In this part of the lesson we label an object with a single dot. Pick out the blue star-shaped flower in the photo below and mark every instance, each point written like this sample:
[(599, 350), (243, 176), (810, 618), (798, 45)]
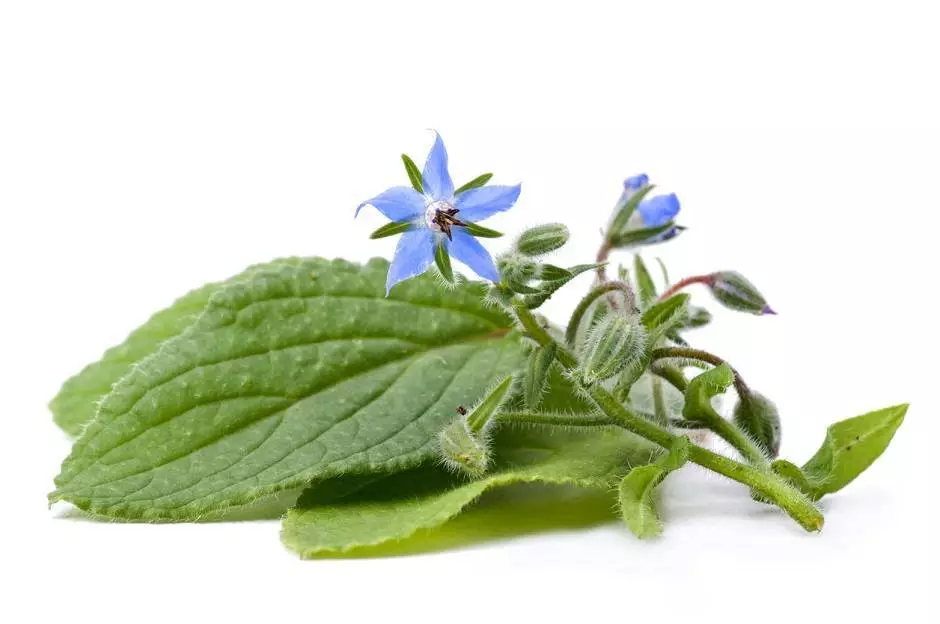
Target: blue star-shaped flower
[(439, 216), (651, 211)]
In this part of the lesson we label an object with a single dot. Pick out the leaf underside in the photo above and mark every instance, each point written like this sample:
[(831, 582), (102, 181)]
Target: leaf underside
[(407, 512), (301, 371)]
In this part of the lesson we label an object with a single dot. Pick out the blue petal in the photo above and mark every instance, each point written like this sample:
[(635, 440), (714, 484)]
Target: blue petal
[(479, 203), (415, 252), (398, 203), (658, 210), (469, 251), (436, 176), (636, 182)]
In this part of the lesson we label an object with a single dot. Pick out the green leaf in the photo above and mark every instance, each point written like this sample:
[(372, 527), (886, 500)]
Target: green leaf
[(633, 237), (637, 506), (391, 229), (547, 288), (414, 174), (410, 506), (665, 272), (76, 403), (537, 369), (702, 389), (476, 182), (479, 231), (619, 222), (850, 447), (442, 260), (302, 371), (645, 286), (667, 314)]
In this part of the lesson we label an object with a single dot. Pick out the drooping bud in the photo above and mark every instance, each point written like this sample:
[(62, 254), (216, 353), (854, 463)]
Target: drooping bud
[(464, 444), (542, 239), (757, 416), (732, 290), (615, 342)]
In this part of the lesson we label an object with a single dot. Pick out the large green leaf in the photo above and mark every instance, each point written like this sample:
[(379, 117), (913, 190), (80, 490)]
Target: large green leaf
[(412, 505), (302, 371), (75, 404), (637, 506)]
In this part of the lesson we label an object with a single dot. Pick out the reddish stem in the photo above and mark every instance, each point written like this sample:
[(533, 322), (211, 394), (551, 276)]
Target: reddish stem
[(695, 279)]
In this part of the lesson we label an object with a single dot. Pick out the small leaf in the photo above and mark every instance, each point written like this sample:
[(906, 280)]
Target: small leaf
[(476, 182), (645, 286), (620, 220), (631, 237), (792, 473), (442, 260), (550, 272), (481, 232), (414, 174), (540, 362), (636, 490), (548, 288), (850, 447), (702, 389), (301, 371), (391, 229), (402, 513), (667, 314)]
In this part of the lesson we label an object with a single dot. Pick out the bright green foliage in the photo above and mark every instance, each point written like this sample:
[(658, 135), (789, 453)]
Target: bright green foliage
[(646, 287), (75, 404), (476, 182), (537, 368), (757, 416), (442, 260), (303, 371), (392, 228), (702, 389), (417, 501), (636, 490), (850, 447)]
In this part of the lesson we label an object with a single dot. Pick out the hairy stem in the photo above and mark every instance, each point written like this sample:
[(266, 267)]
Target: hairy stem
[(572, 331), (764, 482), (695, 279), (689, 353), (556, 420)]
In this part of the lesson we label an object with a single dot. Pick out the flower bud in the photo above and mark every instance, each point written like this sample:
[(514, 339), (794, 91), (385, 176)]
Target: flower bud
[(516, 271), (462, 451), (733, 291), (542, 239), (698, 317), (615, 342), (757, 416)]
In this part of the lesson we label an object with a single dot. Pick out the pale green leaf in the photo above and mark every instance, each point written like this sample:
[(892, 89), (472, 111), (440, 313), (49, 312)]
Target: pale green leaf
[(850, 447), (636, 490), (303, 371), (411, 505)]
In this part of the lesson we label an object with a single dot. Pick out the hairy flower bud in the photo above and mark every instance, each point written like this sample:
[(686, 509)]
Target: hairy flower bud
[(757, 416), (463, 451), (516, 271), (464, 444), (698, 317), (615, 342), (542, 239), (733, 290)]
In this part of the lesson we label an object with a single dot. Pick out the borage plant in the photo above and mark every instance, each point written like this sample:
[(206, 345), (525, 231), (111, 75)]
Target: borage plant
[(390, 396)]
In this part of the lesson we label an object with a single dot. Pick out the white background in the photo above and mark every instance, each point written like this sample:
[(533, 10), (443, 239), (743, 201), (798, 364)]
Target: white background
[(146, 148)]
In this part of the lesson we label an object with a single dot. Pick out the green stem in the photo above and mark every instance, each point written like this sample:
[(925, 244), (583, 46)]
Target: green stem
[(659, 401), (702, 356), (554, 419), (671, 374), (764, 482), (582, 307)]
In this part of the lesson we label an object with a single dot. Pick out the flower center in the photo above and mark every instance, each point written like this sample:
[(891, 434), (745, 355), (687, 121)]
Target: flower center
[(441, 216)]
